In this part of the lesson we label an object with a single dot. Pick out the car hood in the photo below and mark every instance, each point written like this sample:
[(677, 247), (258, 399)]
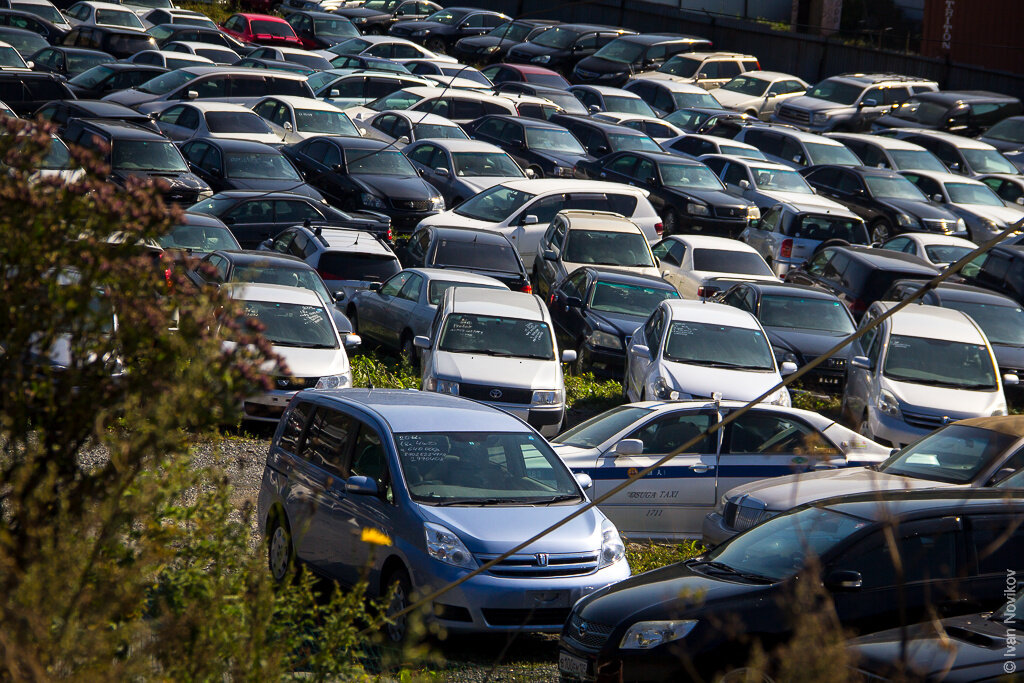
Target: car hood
[(625, 325), (924, 397), (130, 97), (353, 12), (801, 199), (731, 98), (454, 220), (534, 50), (485, 41), (652, 271), (602, 66), (313, 362), (521, 373), (420, 25), (1009, 356), (921, 209), (478, 184), (576, 457), (890, 121), (719, 198), (273, 185), (806, 344), (808, 103), (499, 528), (394, 187), (790, 490), (1003, 214), (561, 158), (735, 385), (174, 181)]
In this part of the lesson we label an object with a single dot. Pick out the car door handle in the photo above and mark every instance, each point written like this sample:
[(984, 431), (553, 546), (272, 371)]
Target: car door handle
[(701, 468)]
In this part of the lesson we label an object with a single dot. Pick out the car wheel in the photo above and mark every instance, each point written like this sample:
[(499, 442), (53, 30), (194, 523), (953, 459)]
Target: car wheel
[(408, 349), (670, 222), (280, 551), (353, 317), (435, 45), (578, 367), (537, 172), (397, 588), (834, 242), (881, 230), (751, 112)]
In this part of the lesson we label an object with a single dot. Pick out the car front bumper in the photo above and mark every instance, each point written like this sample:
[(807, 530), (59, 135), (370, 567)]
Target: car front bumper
[(268, 406), (546, 420), (894, 430), (715, 531)]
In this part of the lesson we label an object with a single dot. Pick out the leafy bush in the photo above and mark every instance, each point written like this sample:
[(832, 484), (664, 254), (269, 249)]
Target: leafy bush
[(643, 557), (587, 390)]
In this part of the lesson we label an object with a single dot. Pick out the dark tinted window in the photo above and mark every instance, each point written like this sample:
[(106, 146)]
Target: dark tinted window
[(470, 255), (293, 427), (328, 439), (340, 265), (997, 543)]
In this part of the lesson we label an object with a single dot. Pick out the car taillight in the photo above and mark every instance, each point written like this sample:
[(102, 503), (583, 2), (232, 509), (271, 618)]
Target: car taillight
[(168, 278), (659, 228), (787, 249), (758, 63), (551, 300), (702, 291), (391, 235), (326, 275), (526, 288)]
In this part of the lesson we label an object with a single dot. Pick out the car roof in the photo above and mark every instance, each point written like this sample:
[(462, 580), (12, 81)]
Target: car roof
[(421, 117), (252, 194), (955, 140), (279, 294), (625, 277), (768, 75), (583, 28), (469, 235), (205, 70), (603, 221), (954, 96), (186, 56), (708, 54), (200, 45), (1011, 425), (944, 177), (343, 239), (213, 105), (196, 218), (457, 276), (304, 102), (607, 126), (461, 145), (229, 145), (806, 136), (526, 122), (791, 289), (417, 411), (748, 161), (606, 90), (123, 129), (709, 312), (541, 186), (655, 38), (881, 506), (675, 86), (101, 108), (958, 291), (666, 157), (251, 256), (269, 17), (933, 322), (882, 141), (887, 259), (496, 302), (712, 242)]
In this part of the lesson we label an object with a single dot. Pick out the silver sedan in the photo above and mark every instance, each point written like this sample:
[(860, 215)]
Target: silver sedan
[(460, 169)]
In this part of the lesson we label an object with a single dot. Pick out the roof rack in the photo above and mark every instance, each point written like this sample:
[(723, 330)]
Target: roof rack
[(876, 77)]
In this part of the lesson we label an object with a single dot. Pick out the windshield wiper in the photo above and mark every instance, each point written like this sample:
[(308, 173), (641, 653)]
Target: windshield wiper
[(476, 501), (735, 572), (481, 352), (939, 382), (304, 345), (720, 364)]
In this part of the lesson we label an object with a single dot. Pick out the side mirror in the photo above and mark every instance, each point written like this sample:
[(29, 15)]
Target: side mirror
[(860, 362), (1010, 379), (744, 184), (191, 95), (641, 350), (629, 447), (955, 166), (869, 102), (530, 220), (549, 255), (584, 481), (443, 172), (421, 342), (338, 168), (404, 140), (844, 580), (267, 244), (937, 198), (998, 476), (517, 143), (1020, 200), (361, 486), (530, 173), (374, 286), (228, 220), (574, 302), (602, 150), (340, 294), (287, 125), (352, 341), (788, 368), (334, 93), (569, 356), (593, 109)]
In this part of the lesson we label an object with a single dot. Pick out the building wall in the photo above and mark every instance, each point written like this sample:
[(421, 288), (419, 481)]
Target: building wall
[(982, 32), (773, 10)]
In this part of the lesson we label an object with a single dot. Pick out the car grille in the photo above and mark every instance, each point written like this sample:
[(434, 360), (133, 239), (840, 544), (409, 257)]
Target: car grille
[(407, 205), (591, 635), (741, 517), (182, 197), (542, 565), (583, 73), (403, 31), (939, 225), (295, 383), (925, 420), (486, 392), (517, 56), (550, 616), (731, 211), (794, 115)]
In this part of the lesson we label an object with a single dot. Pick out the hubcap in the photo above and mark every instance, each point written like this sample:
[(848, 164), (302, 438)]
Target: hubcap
[(881, 233), (279, 553)]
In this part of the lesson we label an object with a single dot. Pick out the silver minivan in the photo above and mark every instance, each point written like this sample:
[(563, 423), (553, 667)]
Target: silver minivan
[(445, 484)]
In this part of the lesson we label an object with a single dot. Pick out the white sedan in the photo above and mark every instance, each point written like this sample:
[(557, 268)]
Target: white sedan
[(699, 265), (938, 250), (672, 501)]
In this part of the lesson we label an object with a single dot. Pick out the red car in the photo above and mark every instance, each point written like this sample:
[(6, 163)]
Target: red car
[(525, 73), (261, 28)]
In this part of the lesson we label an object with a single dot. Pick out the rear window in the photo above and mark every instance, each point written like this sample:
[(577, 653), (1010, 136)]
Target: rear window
[(495, 257), (236, 122), (879, 281), (340, 265), (437, 288), (727, 261), (287, 86), (123, 43)]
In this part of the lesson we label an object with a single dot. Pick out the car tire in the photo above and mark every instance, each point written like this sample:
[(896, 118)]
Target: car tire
[(353, 317), (670, 222), (881, 230), (578, 367), (280, 549), (751, 112), (435, 45), (396, 589), (537, 172), (407, 350), (834, 242)]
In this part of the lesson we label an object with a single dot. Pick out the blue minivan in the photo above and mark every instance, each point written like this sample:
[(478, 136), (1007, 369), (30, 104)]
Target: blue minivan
[(452, 483)]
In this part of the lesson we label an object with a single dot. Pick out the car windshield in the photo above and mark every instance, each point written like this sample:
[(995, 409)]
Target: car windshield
[(597, 430), (928, 113), (820, 153), (915, 159), (783, 545), (146, 155), (9, 57), (215, 206), (335, 28), (893, 187), (622, 51), (483, 468), (820, 227), (381, 5), (627, 105), (485, 164), (437, 288), (940, 362), (153, 4), (303, 278), (293, 325), (716, 345), (496, 336), (1002, 324), (605, 248), (835, 91), (236, 122), (553, 140), (624, 299), (165, 83), (160, 32), (79, 63), (378, 162), (48, 12), (353, 46), (747, 85), (58, 156), (424, 131), (511, 31), (111, 17), (780, 180), (471, 255), (25, 43), (954, 454), (622, 142), (729, 261), (1008, 130), (973, 193), (278, 29), (557, 38), (685, 67), (330, 122), (92, 77), (686, 100), (400, 99), (988, 161), (690, 176), (946, 253), (259, 166), (447, 17), (202, 238), (804, 313), (746, 152), (494, 205)]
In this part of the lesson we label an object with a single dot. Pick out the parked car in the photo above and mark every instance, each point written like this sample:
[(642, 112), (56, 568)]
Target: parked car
[(242, 165), (796, 148), (26, 91), (117, 42), (212, 120), (706, 69), (90, 13), (106, 78), (223, 56), (965, 156), (614, 63), (441, 30), (469, 250), (757, 93), (495, 44), (598, 98), (448, 74), (197, 235), (346, 88), (212, 82), (562, 46), (375, 17), (385, 454), (321, 30), (1007, 136), (938, 250), (456, 104), (185, 33), (765, 183), (298, 118), (561, 97), (295, 55), (671, 502), (61, 111), (595, 310), (668, 97), (461, 168), (1010, 188), (700, 265), (168, 59), (1000, 269), (67, 61), (525, 73), (26, 42), (879, 151), (387, 47), (652, 626), (261, 29), (413, 126), (964, 112), (43, 9), (657, 129), (696, 145), (859, 276), (173, 15), (693, 349), (982, 210), (547, 149), (967, 454), (705, 116), (600, 137), (497, 347)]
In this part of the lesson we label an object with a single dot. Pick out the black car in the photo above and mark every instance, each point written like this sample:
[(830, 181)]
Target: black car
[(320, 30), (32, 22), (360, 173), (686, 194), (119, 42), (601, 137), (721, 123), (561, 47), (888, 202), (136, 152), (1008, 137), (441, 30), (185, 33), (106, 78), (375, 17), (244, 165), (549, 150), (68, 61), (494, 45), (24, 92), (858, 275), (596, 311), (563, 98), (700, 618), (256, 216), (1001, 269), (197, 235), (25, 42), (964, 112), (614, 63), (1010, 188), (483, 252), (802, 323), (62, 111)]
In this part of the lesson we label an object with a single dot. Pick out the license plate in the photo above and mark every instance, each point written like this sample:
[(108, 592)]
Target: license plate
[(573, 666)]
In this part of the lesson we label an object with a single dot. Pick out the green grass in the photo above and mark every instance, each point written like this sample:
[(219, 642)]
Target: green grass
[(643, 557)]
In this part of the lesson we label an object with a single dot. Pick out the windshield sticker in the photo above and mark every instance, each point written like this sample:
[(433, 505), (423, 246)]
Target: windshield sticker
[(418, 448)]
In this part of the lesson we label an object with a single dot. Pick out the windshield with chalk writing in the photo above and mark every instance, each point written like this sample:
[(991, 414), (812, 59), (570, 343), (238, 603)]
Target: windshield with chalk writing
[(496, 336)]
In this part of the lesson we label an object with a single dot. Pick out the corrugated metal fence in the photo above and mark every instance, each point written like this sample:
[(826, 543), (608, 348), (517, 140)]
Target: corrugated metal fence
[(810, 57)]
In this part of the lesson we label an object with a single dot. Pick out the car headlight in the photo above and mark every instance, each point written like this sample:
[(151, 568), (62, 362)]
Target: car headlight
[(541, 59), (420, 32), (547, 397), (204, 194), (612, 547), (445, 386), (342, 381), (753, 213), (372, 201), (644, 635), (991, 225), (445, 546), (906, 220), (697, 209), (491, 48), (565, 171), (821, 117), (437, 203), (606, 340), (664, 391), (888, 404), (359, 20), (960, 225), (781, 398), (784, 356)]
